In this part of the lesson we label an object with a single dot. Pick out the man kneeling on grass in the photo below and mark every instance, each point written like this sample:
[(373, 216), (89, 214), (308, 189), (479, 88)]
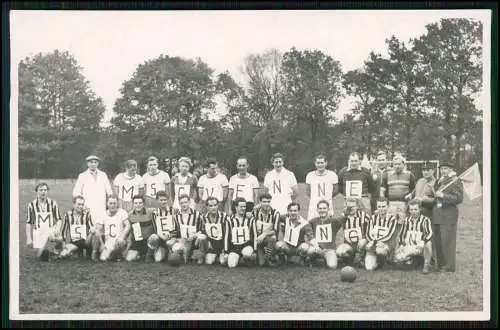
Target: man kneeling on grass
[(79, 232), (165, 228), (112, 231), (240, 242), (296, 237), (324, 228), (213, 229), (142, 227), (414, 241), (381, 234), (352, 250), (188, 236)]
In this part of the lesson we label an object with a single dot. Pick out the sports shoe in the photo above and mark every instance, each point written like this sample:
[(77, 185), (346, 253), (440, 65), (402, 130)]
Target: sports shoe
[(201, 261), (427, 269)]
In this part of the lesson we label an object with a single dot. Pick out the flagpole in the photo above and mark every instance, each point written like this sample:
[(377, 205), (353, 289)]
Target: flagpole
[(456, 179)]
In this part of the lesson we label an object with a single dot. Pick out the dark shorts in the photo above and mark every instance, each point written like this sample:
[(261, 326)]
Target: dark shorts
[(140, 246), (238, 248), (216, 247), (82, 245)]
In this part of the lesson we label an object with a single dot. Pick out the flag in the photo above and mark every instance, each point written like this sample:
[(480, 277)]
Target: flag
[(366, 163), (471, 180)]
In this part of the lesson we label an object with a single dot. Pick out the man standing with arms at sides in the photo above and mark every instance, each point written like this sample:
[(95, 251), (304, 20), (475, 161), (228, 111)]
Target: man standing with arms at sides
[(128, 184), (449, 193), (213, 184), (267, 221), (321, 185), (93, 185), (244, 185), (281, 184), (424, 189), (398, 186), (377, 172), (357, 183), (112, 230), (154, 180), (184, 183), (44, 221)]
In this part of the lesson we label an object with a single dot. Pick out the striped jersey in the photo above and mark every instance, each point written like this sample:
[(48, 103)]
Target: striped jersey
[(325, 230), (164, 221), (189, 223), (265, 221), (415, 230), (142, 224), (355, 227), (215, 229), (42, 215), (76, 226), (240, 231), (381, 228)]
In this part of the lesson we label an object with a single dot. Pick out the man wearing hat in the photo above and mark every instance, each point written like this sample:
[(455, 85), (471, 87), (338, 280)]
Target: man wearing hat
[(424, 189), (448, 191), (93, 184)]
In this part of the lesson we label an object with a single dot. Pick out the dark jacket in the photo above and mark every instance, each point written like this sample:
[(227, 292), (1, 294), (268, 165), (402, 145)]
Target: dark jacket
[(447, 214)]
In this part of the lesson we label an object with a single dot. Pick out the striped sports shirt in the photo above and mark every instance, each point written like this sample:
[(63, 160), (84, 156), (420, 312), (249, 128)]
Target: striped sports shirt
[(215, 229), (188, 223), (415, 230), (266, 220), (73, 223), (381, 228), (355, 227), (164, 222), (39, 213), (240, 231)]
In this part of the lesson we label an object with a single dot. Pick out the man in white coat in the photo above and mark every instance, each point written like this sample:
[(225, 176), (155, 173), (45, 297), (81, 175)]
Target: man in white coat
[(93, 184)]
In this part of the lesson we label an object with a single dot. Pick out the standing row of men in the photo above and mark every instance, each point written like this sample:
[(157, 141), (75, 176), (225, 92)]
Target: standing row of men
[(354, 182)]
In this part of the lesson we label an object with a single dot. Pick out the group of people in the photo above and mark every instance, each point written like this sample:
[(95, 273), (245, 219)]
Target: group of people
[(388, 218)]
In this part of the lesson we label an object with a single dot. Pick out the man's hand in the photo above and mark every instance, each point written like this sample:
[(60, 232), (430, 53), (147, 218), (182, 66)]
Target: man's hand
[(408, 197), (419, 199), (260, 239), (439, 194), (29, 243), (164, 236)]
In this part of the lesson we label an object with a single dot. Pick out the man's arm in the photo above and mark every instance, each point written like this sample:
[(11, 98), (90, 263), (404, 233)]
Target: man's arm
[(107, 185), (454, 194), (383, 184), (66, 230), (125, 230), (29, 223), (229, 200)]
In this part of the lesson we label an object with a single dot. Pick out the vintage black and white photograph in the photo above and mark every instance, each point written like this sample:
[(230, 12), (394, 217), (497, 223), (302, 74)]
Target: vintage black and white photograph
[(259, 164)]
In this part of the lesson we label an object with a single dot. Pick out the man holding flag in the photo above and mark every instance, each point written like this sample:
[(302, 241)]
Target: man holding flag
[(449, 191)]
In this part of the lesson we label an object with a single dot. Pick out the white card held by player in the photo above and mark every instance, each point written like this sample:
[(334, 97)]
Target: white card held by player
[(281, 184), (321, 185)]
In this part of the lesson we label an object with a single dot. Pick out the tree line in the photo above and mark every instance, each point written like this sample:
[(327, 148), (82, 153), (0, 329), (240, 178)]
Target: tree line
[(418, 99)]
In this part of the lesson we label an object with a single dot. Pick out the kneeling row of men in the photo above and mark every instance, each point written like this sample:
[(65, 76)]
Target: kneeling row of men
[(262, 236)]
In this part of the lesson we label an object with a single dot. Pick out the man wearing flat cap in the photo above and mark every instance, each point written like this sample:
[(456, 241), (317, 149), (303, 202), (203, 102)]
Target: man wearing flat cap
[(424, 189), (448, 191), (93, 185)]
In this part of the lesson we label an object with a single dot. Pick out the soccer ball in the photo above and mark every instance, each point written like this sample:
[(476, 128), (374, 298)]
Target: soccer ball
[(175, 259), (348, 274)]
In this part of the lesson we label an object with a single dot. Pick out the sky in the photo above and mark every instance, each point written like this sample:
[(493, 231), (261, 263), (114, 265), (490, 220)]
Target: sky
[(109, 45)]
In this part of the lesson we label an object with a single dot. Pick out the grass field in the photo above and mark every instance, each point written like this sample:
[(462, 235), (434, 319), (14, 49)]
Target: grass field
[(120, 287)]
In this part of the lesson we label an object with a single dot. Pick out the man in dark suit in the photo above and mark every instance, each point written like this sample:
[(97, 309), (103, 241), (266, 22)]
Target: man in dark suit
[(449, 193)]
